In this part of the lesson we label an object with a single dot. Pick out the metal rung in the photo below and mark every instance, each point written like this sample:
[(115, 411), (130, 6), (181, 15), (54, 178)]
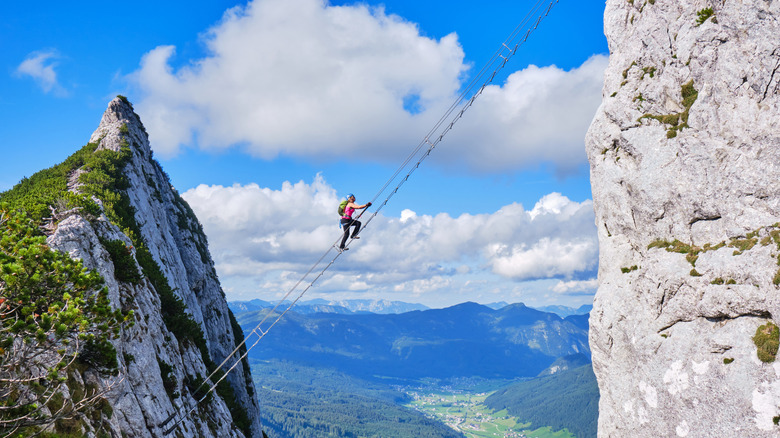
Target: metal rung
[(168, 420)]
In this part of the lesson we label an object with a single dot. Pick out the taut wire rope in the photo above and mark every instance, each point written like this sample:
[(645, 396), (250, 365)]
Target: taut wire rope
[(498, 61)]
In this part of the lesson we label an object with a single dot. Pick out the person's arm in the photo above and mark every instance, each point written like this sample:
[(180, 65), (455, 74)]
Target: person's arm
[(358, 207)]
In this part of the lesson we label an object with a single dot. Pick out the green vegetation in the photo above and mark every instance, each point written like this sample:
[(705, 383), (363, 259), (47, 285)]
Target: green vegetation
[(125, 268), (47, 199), (692, 252), (767, 340), (673, 246), (48, 302), (625, 72), (169, 378), (750, 241), (677, 121), (648, 71), (310, 402), (463, 410), (238, 338), (567, 399), (49, 188), (743, 245), (704, 15), (727, 360), (626, 270)]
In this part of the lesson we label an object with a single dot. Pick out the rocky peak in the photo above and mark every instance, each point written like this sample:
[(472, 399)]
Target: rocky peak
[(685, 164), (183, 327), (120, 122)]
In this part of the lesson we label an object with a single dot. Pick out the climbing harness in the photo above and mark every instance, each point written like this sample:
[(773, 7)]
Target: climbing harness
[(497, 62)]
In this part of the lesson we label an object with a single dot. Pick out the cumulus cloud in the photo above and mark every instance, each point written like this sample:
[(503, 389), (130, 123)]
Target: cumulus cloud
[(576, 286), (299, 76), (306, 79), (40, 67), (271, 237), (539, 115)]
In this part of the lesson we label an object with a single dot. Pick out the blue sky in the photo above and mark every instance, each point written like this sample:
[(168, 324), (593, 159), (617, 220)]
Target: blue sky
[(265, 113)]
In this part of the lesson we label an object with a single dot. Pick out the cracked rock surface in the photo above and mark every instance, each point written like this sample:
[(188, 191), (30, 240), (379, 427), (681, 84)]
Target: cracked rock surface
[(685, 172), (139, 401)]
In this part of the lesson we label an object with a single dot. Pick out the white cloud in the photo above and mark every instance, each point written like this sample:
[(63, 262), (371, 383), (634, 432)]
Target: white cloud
[(576, 286), (273, 237), (545, 258), (539, 115), (40, 67), (302, 78), (299, 77)]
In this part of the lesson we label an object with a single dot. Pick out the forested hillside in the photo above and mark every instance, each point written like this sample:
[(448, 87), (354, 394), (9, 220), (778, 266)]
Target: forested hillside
[(346, 374), (568, 399), (303, 402)]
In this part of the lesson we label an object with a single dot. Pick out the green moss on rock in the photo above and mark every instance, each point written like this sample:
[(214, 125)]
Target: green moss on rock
[(767, 340)]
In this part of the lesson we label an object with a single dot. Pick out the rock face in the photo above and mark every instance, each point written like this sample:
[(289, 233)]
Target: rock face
[(685, 169), (138, 397)]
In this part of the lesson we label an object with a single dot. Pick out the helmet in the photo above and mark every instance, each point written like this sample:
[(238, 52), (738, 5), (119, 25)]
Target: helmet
[(350, 195)]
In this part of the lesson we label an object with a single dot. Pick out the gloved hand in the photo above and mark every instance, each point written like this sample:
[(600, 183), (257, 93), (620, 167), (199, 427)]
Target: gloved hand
[(368, 205)]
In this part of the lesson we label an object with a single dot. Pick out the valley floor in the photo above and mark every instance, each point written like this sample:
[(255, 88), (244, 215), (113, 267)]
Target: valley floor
[(464, 412)]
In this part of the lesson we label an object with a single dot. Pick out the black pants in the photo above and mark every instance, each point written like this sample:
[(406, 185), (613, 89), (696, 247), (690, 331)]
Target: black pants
[(346, 223)]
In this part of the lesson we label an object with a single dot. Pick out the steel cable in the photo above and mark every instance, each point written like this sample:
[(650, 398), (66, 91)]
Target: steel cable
[(505, 52)]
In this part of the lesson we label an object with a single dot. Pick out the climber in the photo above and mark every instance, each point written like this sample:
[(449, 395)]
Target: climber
[(346, 209)]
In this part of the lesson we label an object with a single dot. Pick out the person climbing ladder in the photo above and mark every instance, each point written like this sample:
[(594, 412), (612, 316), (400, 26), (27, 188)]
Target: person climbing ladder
[(346, 209)]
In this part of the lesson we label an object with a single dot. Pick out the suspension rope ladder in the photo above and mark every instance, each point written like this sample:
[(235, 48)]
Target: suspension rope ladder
[(497, 62)]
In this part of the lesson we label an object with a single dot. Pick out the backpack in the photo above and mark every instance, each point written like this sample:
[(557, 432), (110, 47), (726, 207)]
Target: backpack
[(342, 206)]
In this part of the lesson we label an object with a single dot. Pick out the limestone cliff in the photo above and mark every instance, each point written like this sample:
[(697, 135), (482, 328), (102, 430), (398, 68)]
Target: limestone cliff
[(685, 170), (160, 362)]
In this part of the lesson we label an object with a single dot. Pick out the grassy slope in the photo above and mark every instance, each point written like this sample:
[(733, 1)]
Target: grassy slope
[(568, 399)]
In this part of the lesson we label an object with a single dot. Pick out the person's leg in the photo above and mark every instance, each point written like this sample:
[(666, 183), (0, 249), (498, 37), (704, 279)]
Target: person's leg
[(357, 225), (345, 223)]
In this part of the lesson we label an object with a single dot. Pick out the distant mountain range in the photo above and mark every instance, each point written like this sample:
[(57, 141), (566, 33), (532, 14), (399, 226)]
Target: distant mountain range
[(564, 311), (378, 306), (464, 340), (333, 306), (317, 356)]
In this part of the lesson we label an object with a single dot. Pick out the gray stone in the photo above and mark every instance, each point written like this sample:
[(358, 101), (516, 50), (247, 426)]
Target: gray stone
[(140, 402), (672, 347)]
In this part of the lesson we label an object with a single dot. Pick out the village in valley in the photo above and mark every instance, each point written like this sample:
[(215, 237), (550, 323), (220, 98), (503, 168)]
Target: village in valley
[(465, 412)]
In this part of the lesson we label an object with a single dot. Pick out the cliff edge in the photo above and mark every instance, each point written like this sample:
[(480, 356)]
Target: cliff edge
[(149, 247), (685, 172)]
